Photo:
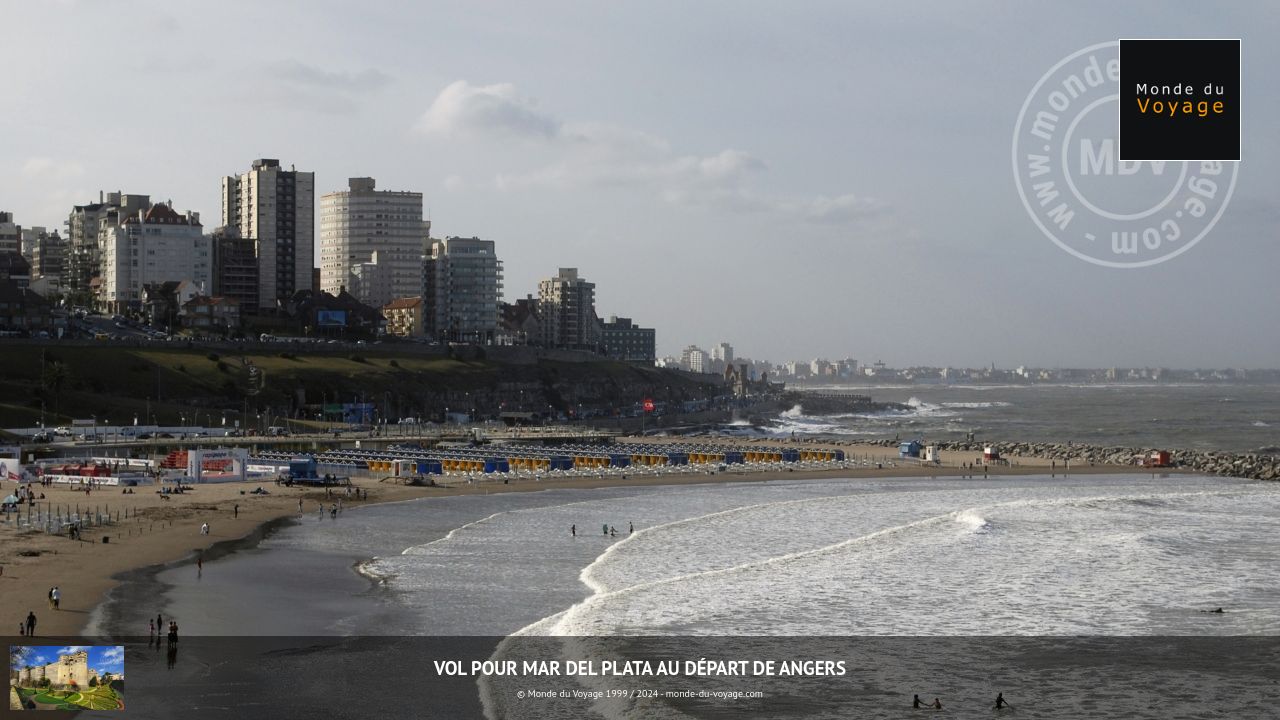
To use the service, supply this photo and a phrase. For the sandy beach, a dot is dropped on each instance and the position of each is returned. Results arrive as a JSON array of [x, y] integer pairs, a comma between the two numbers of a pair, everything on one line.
[[159, 531]]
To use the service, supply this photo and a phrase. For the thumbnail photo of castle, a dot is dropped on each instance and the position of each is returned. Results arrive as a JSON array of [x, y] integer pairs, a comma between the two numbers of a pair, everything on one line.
[[78, 677]]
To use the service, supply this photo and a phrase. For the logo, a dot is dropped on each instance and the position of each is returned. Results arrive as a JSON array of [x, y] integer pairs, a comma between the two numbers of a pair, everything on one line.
[[1082, 196]]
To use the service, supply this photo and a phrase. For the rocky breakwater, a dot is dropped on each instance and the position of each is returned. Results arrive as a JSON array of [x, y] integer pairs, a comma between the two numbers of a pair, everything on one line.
[[1256, 466], [834, 403]]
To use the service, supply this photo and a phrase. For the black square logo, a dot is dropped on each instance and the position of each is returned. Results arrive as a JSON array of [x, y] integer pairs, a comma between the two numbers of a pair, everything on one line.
[[1179, 99]]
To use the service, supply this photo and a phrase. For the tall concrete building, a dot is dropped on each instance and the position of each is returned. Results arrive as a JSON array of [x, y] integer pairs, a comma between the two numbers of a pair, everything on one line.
[[85, 227], [621, 339], [46, 252], [567, 304], [275, 208], [10, 233], [235, 268], [154, 246], [371, 242], [462, 289]]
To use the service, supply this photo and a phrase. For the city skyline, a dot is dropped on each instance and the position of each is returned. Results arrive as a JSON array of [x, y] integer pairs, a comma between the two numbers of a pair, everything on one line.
[[807, 168]]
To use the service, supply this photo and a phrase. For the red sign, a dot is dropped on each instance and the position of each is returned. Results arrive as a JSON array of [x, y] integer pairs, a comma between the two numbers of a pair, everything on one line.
[[648, 405]]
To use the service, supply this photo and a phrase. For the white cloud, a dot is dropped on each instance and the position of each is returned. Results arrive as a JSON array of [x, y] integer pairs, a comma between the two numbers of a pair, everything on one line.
[[463, 108], [72, 649], [113, 654], [590, 155]]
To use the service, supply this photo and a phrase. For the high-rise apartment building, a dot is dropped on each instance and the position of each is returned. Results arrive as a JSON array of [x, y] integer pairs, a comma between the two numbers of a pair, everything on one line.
[[152, 247], [235, 268], [567, 304], [45, 251], [85, 227], [371, 242], [275, 208], [10, 233], [622, 339], [462, 284], [722, 352]]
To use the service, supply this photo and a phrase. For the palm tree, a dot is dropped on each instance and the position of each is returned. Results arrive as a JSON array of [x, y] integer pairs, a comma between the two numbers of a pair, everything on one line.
[[54, 377]]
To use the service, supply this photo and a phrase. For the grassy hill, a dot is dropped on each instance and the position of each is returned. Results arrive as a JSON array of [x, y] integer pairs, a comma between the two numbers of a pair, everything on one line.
[[117, 383]]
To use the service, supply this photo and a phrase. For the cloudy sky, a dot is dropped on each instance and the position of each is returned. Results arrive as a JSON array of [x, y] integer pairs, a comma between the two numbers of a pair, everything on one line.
[[801, 180]]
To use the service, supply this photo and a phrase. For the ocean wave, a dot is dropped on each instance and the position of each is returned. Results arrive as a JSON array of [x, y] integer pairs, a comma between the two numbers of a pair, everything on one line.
[[974, 521]]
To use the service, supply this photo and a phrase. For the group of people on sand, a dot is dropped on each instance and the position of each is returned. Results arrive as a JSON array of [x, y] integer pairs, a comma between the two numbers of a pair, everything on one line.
[[157, 627], [919, 704]]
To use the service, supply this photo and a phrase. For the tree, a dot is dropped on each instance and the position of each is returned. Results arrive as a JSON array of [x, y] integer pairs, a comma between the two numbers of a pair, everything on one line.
[[93, 682], [54, 377]]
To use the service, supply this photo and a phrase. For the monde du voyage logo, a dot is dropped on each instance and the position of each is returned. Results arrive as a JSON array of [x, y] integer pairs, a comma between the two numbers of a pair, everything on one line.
[[1127, 170]]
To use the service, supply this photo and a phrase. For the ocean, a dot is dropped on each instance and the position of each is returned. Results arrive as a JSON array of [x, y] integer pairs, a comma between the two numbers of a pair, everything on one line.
[[1227, 417]]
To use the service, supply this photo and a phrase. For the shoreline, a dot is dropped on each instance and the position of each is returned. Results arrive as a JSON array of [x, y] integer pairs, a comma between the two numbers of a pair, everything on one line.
[[177, 541]]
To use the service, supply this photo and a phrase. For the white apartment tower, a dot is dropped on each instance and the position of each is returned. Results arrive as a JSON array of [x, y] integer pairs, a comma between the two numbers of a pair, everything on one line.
[[722, 352], [371, 242], [276, 209], [154, 246], [85, 227]]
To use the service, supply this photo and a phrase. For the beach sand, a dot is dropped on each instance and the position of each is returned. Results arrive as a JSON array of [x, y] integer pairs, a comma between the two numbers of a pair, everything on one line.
[[159, 531]]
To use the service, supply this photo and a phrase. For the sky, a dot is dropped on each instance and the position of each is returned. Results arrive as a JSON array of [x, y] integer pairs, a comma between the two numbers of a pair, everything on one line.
[[103, 658], [801, 180]]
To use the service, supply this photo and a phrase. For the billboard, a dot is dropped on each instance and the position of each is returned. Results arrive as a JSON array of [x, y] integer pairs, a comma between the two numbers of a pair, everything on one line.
[[331, 318], [10, 464]]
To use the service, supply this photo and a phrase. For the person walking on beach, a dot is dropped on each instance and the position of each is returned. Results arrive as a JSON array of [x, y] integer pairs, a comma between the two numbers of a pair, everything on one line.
[[937, 704], [573, 530], [56, 594], [151, 629], [204, 529], [31, 624], [299, 506], [631, 527], [50, 598], [236, 511], [605, 528], [1000, 703], [916, 702], [200, 565]]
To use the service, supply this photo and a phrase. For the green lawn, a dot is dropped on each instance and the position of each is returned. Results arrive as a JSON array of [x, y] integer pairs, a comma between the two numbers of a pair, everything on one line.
[[98, 698]]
